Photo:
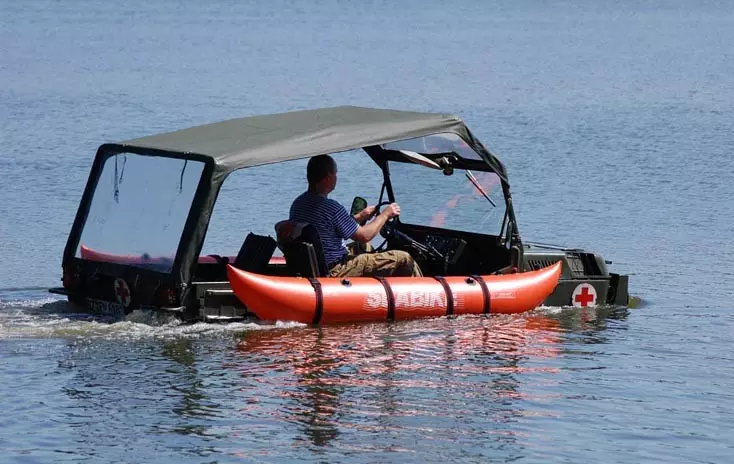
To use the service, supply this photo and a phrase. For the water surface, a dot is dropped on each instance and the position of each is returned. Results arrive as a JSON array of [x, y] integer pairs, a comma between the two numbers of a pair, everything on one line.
[[614, 121]]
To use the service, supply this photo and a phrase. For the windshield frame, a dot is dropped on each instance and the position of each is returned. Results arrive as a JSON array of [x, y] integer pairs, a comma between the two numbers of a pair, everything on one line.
[[383, 157]]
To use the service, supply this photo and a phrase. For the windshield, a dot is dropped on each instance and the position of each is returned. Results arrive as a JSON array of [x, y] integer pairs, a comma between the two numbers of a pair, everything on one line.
[[139, 210], [467, 201], [430, 198]]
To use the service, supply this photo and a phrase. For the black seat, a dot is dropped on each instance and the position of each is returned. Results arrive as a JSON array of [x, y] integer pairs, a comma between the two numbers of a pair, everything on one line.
[[255, 253], [302, 248]]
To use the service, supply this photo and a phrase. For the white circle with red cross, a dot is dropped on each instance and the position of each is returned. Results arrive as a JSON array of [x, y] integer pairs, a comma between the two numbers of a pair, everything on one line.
[[122, 292], [584, 295]]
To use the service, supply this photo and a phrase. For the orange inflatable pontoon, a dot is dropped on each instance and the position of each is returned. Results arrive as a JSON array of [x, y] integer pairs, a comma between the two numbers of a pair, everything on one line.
[[332, 300]]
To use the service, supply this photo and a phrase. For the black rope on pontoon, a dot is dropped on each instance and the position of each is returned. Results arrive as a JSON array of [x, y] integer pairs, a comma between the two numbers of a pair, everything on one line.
[[319, 312], [449, 294]]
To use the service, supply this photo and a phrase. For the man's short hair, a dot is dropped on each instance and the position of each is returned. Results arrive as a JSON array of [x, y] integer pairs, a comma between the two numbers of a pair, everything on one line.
[[319, 167]]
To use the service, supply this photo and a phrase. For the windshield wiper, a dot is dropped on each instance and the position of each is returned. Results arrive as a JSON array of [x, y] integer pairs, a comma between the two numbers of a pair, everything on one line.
[[474, 181], [420, 159]]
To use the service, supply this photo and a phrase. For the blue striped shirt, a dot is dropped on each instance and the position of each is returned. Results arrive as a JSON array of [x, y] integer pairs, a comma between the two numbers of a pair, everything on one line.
[[331, 220]]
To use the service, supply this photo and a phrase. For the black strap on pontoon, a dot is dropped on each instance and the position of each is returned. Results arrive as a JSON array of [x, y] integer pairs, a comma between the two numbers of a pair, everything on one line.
[[449, 294], [319, 313], [485, 294], [390, 298]]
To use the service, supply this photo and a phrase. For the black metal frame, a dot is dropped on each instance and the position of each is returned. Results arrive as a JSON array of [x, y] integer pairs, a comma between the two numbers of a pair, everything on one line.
[[194, 231]]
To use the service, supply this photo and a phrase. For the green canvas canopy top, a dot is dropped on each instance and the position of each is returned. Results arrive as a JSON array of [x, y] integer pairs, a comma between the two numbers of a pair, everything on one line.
[[256, 140]]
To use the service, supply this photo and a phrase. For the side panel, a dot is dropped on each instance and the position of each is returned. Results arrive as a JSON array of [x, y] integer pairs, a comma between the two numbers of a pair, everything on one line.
[[576, 292]]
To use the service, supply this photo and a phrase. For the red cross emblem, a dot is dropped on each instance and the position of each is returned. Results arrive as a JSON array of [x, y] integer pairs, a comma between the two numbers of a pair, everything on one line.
[[122, 292], [584, 295]]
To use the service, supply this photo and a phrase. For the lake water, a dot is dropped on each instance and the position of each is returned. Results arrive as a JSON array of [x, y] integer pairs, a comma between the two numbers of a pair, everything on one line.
[[614, 119]]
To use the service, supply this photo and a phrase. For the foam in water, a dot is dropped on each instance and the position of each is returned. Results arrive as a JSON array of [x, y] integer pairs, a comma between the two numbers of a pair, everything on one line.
[[52, 317]]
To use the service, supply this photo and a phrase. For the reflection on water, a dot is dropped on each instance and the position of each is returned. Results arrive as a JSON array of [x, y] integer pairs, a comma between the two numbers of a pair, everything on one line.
[[592, 321], [390, 377]]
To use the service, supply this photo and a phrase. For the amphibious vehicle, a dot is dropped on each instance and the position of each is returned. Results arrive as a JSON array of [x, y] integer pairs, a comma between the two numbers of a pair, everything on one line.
[[132, 247]]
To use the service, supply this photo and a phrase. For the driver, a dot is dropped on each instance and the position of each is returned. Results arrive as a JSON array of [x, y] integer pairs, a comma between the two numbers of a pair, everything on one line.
[[334, 224]]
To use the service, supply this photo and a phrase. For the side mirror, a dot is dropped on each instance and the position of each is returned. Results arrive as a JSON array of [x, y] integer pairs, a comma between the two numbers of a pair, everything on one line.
[[358, 204]]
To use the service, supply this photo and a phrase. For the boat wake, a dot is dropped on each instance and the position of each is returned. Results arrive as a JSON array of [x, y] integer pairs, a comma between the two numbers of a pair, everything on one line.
[[24, 315]]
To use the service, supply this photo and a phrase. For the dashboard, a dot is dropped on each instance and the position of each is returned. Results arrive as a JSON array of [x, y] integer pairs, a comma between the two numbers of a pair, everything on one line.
[[450, 247], [457, 254]]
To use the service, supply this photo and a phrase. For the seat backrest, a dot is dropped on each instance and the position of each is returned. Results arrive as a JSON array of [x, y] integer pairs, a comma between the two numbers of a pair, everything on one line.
[[300, 257], [301, 245], [255, 253]]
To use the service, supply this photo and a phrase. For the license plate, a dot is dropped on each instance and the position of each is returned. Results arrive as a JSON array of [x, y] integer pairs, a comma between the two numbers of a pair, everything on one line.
[[106, 308]]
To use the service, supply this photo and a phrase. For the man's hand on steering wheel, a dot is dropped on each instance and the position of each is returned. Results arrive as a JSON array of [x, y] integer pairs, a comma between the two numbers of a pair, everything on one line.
[[392, 210]]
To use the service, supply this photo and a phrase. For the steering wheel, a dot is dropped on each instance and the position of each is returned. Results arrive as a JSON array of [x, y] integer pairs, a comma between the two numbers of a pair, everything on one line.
[[378, 208], [389, 231]]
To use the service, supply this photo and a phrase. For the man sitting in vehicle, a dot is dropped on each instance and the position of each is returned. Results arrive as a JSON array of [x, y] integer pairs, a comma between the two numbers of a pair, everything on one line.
[[334, 224]]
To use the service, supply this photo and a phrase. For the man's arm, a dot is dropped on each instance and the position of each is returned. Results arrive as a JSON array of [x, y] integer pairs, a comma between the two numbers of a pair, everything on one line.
[[366, 233]]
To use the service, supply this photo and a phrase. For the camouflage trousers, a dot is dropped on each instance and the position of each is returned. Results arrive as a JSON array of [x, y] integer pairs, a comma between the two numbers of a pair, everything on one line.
[[391, 263]]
